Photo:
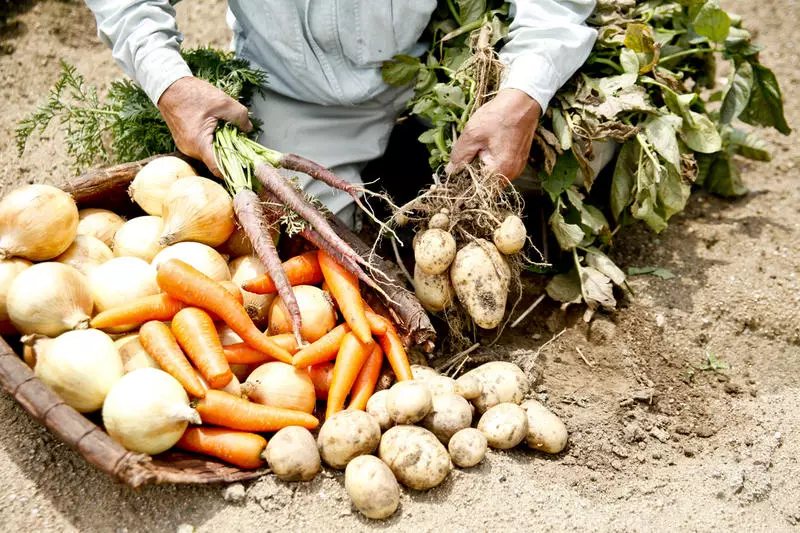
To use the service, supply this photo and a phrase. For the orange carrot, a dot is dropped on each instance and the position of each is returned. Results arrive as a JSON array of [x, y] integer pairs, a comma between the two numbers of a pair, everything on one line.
[[351, 357], [222, 409], [301, 269], [321, 376], [241, 354], [187, 284], [239, 448], [321, 350], [377, 324], [396, 354], [366, 380], [344, 288], [195, 332], [157, 340]]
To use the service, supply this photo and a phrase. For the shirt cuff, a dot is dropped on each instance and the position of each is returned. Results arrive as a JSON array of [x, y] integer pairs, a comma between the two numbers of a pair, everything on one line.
[[534, 75], [159, 69]]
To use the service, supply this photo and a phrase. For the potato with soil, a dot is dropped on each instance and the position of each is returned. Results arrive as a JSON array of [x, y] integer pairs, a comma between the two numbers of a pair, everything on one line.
[[510, 236], [423, 372], [434, 251], [480, 277], [346, 435], [468, 386], [434, 291], [505, 425], [416, 457], [500, 382], [546, 432], [409, 401], [372, 487], [450, 414], [467, 447], [292, 454], [441, 385], [376, 406]]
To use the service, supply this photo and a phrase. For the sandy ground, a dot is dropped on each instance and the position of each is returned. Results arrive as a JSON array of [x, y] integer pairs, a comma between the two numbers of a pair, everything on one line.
[[657, 443]]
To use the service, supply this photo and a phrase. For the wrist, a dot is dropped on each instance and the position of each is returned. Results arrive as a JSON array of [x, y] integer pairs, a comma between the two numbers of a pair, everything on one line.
[[175, 92]]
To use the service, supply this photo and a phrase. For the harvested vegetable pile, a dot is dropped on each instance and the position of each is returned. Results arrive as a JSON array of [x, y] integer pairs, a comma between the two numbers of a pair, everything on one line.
[[647, 93]]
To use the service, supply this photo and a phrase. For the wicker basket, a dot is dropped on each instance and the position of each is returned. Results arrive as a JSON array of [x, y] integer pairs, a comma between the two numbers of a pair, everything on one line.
[[107, 187]]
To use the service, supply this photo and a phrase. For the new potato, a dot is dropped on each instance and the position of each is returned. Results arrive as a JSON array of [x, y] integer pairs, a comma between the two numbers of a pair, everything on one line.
[[546, 432], [467, 447], [376, 406], [480, 277], [292, 454], [505, 425], [409, 401], [416, 457], [499, 382], [372, 487], [450, 414], [346, 435]]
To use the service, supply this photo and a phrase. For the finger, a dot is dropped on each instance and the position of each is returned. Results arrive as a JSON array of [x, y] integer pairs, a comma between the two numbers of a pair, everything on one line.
[[207, 155], [238, 115], [464, 150]]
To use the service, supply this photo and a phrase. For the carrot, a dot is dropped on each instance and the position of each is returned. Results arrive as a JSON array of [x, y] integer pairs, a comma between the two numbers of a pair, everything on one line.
[[366, 380], [344, 289], [396, 354], [196, 334], [157, 340], [321, 376], [377, 324], [321, 350], [239, 448], [241, 353], [187, 284], [155, 307], [222, 409], [301, 269], [351, 357]]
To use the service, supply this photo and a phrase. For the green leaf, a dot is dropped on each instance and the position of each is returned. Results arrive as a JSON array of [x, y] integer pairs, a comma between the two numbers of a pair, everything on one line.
[[427, 137], [700, 133], [597, 259], [660, 131], [624, 179], [738, 94], [565, 288], [712, 22], [563, 175], [718, 174], [561, 129], [662, 273], [450, 96], [673, 192], [629, 61], [591, 217], [568, 235], [400, 70], [766, 102], [471, 10], [499, 30], [747, 144], [644, 205]]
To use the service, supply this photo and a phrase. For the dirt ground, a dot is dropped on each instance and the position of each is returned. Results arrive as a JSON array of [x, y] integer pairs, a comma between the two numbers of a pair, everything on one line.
[[660, 440]]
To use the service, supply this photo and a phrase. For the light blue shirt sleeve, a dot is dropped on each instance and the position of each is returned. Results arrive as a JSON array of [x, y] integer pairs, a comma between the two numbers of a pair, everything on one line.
[[547, 43], [144, 39]]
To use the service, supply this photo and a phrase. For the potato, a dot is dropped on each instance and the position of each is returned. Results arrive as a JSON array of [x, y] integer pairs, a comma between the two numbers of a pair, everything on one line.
[[510, 236], [500, 382], [468, 386], [435, 251], [416, 457], [441, 385], [376, 406], [292, 454], [372, 487], [505, 425], [408, 401], [450, 413], [480, 277], [433, 291], [423, 372], [439, 221], [467, 447], [346, 435], [546, 432]]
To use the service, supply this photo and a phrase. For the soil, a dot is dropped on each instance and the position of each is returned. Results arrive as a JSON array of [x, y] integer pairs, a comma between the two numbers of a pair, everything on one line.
[[683, 407]]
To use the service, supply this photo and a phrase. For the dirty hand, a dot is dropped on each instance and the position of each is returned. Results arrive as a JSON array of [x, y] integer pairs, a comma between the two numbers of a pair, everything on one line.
[[500, 133], [191, 108]]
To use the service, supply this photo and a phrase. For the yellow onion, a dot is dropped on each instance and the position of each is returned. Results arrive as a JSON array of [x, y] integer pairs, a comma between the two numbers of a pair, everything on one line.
[[37, 222], [233, 387], [151, 183], [9, 270], [316, 312], [204, 258], [101, 224], [237, 245], [139, 238], [246, 268], [121, 281], [133, 354], [85, 254], [281, 385], [197, 209], [49, 299]]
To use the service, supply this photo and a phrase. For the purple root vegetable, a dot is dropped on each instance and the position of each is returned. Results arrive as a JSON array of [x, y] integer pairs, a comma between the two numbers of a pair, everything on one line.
[[255, 221]]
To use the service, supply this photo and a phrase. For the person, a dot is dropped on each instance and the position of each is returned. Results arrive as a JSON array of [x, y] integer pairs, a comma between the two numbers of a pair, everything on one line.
[[325, 97]]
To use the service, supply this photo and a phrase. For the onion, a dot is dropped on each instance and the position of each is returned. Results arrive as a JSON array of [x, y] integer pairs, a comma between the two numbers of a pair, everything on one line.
[[49, 299], [9, 270], [316, 312], [120, 281], [37, 222], [204, 258], [197, 209], [133, 354], [147, 411], [80, 366], [281, 385], [85, 254], [101, 224], [246, 268], [233, 387], [237, 245], [227, 336], [139, 238], [151, 183]]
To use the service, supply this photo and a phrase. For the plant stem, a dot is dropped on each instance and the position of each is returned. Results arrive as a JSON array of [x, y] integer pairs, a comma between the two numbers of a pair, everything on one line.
[[684, 53], [608, 62]]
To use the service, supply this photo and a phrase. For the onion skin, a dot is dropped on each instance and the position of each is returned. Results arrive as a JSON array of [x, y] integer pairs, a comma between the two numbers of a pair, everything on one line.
[[9, 270], [119, 281], [101, 224], [257, 305], [197, 209], [85, 254], [138, 237], [316, 312], [151, 184], [200, 256], [37, 222], [281, 385]]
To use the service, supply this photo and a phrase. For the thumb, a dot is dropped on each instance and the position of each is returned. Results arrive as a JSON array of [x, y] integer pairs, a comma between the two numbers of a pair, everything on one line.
[[464, 150]]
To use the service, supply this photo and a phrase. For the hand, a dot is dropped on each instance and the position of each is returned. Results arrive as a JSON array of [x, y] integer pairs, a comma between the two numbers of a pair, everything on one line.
[[191, 108], [500, 133]]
